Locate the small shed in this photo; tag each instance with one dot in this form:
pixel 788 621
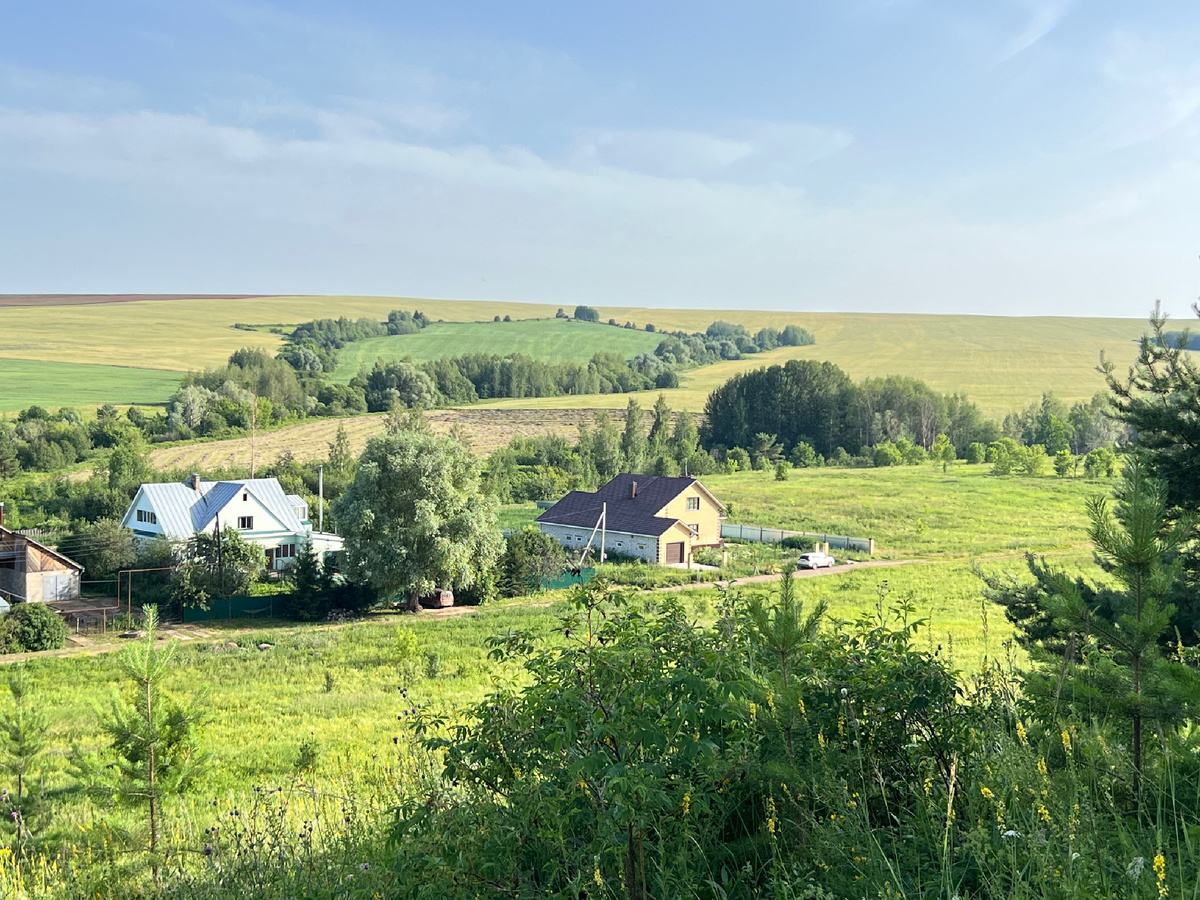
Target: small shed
pixel 33 573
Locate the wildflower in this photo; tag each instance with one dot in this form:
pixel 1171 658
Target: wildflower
pixel 987 793
pixel 687 803
pixel 803 711
pixel 771 700
pixel 821 739
pixel 366 866
pixel 1043 813
pixel 1010 834
pixel 1042 767
pixel 597 877
pixel 841 724
pixel 753 711
pixel 1160 873
pixel 1135 868
pixel 1066 739
pixel 928 785
pixel 771 821
pixel 1022 736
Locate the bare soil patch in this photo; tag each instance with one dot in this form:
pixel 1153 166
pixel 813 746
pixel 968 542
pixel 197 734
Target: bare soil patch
pixel 92 299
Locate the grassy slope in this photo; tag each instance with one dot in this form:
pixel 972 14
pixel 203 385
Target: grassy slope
pixel 917 510
pixel 557 339
pixel 1000 362
pixel 263 704
pixel 24 383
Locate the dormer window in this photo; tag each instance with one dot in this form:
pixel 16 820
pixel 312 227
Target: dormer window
pixel 245 496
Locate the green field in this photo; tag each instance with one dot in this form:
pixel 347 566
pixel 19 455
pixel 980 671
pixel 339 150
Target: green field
pixel 1001 363
pixel 26 382
pixel 918 510
pixel 553 339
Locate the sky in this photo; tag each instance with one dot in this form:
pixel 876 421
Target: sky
pixel 1011 157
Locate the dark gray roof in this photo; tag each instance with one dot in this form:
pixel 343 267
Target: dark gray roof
pixel 626 513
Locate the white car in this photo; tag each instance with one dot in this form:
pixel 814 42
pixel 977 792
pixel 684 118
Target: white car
pixel 815 560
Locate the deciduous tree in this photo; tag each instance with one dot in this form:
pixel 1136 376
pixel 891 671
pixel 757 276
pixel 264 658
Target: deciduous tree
pixel 415 519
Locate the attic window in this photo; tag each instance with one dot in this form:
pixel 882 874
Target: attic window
pixel 693 503
pixel 246 523
pixel 146 516
pixel 246 497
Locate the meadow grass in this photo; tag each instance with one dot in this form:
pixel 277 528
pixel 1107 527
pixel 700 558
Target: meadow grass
pixel 1000 362
pixel 24 383
pixel 917 510
pixel 263 704
pixel 551 339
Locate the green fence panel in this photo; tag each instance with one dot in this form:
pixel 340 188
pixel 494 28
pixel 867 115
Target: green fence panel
pixel 240 607
pixel 568 579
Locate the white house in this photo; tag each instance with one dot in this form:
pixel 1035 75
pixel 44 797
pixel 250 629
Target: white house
pixel 257 507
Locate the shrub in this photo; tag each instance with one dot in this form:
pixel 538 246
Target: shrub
pixel 586 314
pixel 34 626
pixel 976 453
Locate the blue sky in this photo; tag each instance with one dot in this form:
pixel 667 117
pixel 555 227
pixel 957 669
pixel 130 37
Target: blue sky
pixel 988 157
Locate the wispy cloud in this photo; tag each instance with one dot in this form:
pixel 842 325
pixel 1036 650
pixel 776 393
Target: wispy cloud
pixel 1044 17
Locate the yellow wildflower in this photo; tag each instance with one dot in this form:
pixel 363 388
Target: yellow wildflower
pixel 987 793
pixel 753 711
pixel 1042 767
pixel 803 711
pixel 1066 739
pixel 1160 873
pixel 1044 813
pixel 821 739
pixel 687 803
pixel 841 725
pixel 771 821
pixel 771 700
pixel 1022 736
pixel 597 877
pixel 928 785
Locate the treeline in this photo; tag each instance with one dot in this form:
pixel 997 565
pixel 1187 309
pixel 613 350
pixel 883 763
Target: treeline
pixel 810 410
pixel 545 468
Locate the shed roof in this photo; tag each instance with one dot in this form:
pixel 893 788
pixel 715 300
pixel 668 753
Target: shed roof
pixel 9 535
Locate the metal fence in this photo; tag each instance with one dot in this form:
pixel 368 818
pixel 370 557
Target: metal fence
pixel 762 535
pixel 268 606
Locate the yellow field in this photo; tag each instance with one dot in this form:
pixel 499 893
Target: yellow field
pixel 485 429
pixel 1001 363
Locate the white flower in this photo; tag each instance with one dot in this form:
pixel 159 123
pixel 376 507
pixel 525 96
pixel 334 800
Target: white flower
pixel 1134 870
pixel 1011 834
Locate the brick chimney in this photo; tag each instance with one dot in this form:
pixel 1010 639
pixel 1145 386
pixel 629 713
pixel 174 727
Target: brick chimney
pixel 194 482
pixel 633 490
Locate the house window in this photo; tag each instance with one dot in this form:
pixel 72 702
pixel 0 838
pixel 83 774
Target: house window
pixel 693 503
pixel 695 526
pixel 246 522
pixel 286 551
pixel 146 516
pixel 641 546
pixel 246 497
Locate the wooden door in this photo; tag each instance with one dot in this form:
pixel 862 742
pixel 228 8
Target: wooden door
pixel 675 552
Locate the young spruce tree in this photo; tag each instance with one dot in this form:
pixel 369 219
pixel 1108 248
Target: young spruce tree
pixel 154 738
pixel 1103 649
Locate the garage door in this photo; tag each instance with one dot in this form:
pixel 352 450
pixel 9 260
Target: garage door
pixel 56 587
pixel 675 553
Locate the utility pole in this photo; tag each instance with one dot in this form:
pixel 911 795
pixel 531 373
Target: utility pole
pixel 220 561
pixel 253 430
pixel 603 529
pixel 321 499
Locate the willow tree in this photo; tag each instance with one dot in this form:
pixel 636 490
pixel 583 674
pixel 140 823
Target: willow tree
pixel 414 518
